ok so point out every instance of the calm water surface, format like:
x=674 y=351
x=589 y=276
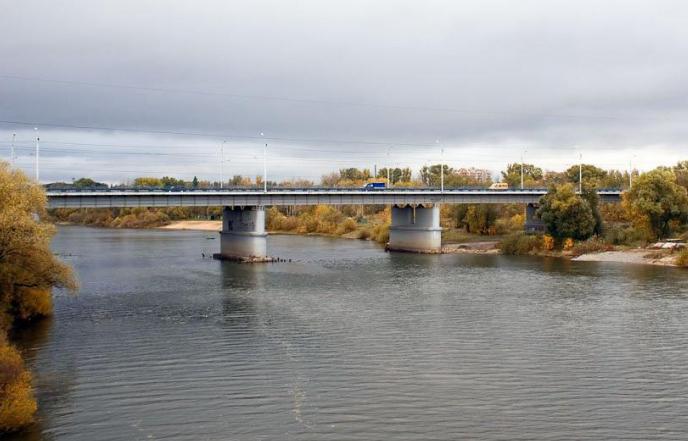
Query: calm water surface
x=350 y=343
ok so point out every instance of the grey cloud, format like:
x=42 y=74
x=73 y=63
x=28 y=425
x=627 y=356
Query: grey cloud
x=485 y=77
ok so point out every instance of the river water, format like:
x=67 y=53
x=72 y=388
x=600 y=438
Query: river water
x=348 y=342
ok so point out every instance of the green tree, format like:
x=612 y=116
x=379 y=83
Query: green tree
x=657 y=201
x=88 y=183
x=566 y=214
x=168 y=182
x=681 y=172
x=532 y=175
x=591 y=175
x=432 y=176
x=396 y=175
x=481 y=218
x=194 y=183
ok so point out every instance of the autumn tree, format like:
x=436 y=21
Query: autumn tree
x=28 y=272
x=147 y=182
x=566 y=214
x=656 y=202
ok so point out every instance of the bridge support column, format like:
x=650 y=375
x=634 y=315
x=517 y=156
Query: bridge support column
x=415 y=229
x=533 y=224
x=243 y=235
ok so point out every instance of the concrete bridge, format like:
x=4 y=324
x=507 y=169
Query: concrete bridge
x=415 y=212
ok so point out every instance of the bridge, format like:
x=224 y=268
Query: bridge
x=415 y=211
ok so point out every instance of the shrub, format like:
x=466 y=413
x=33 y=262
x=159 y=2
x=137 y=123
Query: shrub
x=520 y=243
x=593 y=245
x=33 y=303
x=380 y=233
x=548 y=242
x=682 y=258
x=17 y=404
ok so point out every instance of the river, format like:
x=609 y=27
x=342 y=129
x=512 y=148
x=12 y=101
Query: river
x=348 y=342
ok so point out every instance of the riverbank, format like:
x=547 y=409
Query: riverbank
x=639 y=256
x=194 y=225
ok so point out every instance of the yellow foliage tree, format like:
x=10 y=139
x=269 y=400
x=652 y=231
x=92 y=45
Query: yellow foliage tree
x=28 y=272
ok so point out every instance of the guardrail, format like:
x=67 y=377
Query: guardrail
x=306 y=190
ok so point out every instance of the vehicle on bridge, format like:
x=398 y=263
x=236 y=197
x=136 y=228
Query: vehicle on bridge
x=377 y=184
x=499 y=186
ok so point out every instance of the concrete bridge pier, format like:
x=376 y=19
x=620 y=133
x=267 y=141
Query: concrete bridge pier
x=416 y=229
x=533 y=224
x=243 y=235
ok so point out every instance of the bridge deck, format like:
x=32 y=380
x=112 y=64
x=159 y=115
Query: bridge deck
x=205 y=198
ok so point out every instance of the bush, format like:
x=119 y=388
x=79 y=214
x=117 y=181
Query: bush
x=33 y=303
x=593 y=245
x=520 y=243
x=624 y=235
x=682 y=258
x=17 y=404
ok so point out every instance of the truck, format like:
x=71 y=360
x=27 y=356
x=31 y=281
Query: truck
x=375 y=185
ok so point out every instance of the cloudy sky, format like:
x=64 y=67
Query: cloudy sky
x=119 y=89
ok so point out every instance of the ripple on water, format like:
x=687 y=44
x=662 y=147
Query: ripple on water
x=349 y=342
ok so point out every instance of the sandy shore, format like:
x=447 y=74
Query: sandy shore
x=629 y=256
x=197 y=225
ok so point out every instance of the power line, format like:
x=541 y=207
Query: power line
x=320 y=102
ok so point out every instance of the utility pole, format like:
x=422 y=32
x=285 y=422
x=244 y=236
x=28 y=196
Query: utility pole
x=38 y=149
x=630 y=174
x=265 y=165
x=222 y=164
x=441 y=167
x=522 y=155
x=580 y=173
x=14 y=135
x=389 y=181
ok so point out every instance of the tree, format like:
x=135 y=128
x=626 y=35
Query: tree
x=88 y=183
x=194 y=183
x=681 y=172
x=28 y=272
x=432 y=176
x=396 y=175
x=591 y=175
x=481 y=218
x=566 y=214
x=147 y=182
x=656 y=201
x=169 y=182
x=532 y=175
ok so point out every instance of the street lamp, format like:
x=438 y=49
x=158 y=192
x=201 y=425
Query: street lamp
x=580 y=173
x=265 y=165
x=14 y=135
x=522 y=155
x=389 y=181
x=441 y=166
x=222 y=163
x=38 y=149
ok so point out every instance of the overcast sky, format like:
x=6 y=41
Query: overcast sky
x=335 y=84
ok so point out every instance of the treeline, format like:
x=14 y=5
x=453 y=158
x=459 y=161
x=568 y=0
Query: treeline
x=28 y=272
x=654 y=207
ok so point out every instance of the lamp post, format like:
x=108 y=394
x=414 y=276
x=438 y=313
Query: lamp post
x=265 y=165
x=38 y=150
x=14 y=135
x=580 y=173
x=441 y=166
x=522 y=155
x=222 y=164
x=389 y=181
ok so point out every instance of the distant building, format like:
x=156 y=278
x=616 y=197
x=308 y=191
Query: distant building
x=477 y=174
